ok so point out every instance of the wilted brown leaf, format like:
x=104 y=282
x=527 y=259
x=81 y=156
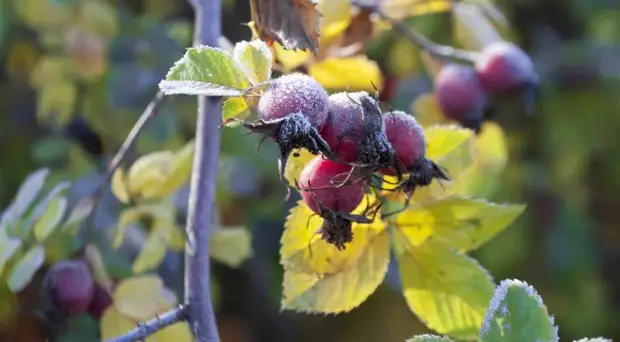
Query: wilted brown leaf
x=292 y=23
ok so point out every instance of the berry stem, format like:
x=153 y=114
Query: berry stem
x=143 y=330
x=418 y=39
x=201 y=319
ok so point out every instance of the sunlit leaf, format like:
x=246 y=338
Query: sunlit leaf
x=517 y=313
x=178 y=332
x=254 y=58
x=113 y=324
x=234 y=107
x=142 y=297
x=462 y=223
x=427 y=110
x=400 y=9
x=335 y=17
x=154 y=248
x=50 y=219
x=320 y=278
x=118 y=183
x=351 y=74
x=291 y=59
x=56 y=102
x=206 y=71
x=148 y=171
x=26 y=195
x=161 y=211
x=24 y=270
x=293 y=23
x=231 y=245
x=296 y=163
x=49 y=69
x=178 y=172
x=446 y=290
x=429 y=338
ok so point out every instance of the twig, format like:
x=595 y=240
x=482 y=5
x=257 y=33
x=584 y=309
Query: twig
x=201 y=319
x=149 y=328
x=418 y=39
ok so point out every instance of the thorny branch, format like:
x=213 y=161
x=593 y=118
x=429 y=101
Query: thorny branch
x=418 y=39
x=143 y=330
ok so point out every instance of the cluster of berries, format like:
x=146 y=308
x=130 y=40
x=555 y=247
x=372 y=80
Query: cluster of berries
x=354 y=143
x=463 y=92
x=70 y=287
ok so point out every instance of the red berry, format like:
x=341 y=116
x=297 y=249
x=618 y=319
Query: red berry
x=316 y=183
x=70 y=286
x=101 y=301
x=503 y=67
x=407 y=137
x=294 y=93
x=460 y=94
x=344 y=127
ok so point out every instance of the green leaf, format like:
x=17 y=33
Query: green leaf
x=254 y=58
x=25 y=269
x=461 y=222
x=447 y=290
x=450 y=146
x=154 y=249
x=50 y=219
x=79 y=213
x=234 y=107
x=231 y=245
x=429 y=338
x=8 y=247
x=205 y=70
x=517 y=313
x=26 y=195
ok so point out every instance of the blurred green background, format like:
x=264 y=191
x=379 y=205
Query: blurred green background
x=76 y=74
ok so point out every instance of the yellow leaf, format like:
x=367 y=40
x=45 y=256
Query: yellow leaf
x=291 y=59
x=231 y=245
x=336 y=16
x=295 y=164
x=148 y=171
x=50 y=218
x=400 y=9
x=119 y=186
x=49 y=69
x=178 y=173
x=255 y=59
x=462 y=223
x=177 y=239
x=178 y=332
x=56 y=101
x=352 y=74
x=161 y=211
x=427 y=110
x=402 y=58
x=155 y=247
x=142 y=297
x=113 y=324
x=304 y=250
x=343 y=290
x=447 y=290
x=234 y=107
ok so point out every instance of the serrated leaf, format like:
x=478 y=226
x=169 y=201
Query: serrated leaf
x=205 y=70
x=50 y=219
x=26 y=195
x=231 y=245
x=294 y=24
x=118 y=184
x=321 y=279
x=462 y=223
x=142 y=297
x=517 y=313
x=429 y=338
x=234 y=107
x=113 y=324
x=351 y=74
x=8 y=247
x=178 y=172
x=25 y=269
x=254 y=58
x=447 y=290
x=154 y=248
x=295 y=163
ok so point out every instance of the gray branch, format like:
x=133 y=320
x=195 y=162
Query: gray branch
x=143 y=330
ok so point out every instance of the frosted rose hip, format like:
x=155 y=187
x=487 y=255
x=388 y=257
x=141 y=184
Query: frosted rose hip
x=406 y=136
x=460 y=94
x=344 y=126
x=319 y=173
